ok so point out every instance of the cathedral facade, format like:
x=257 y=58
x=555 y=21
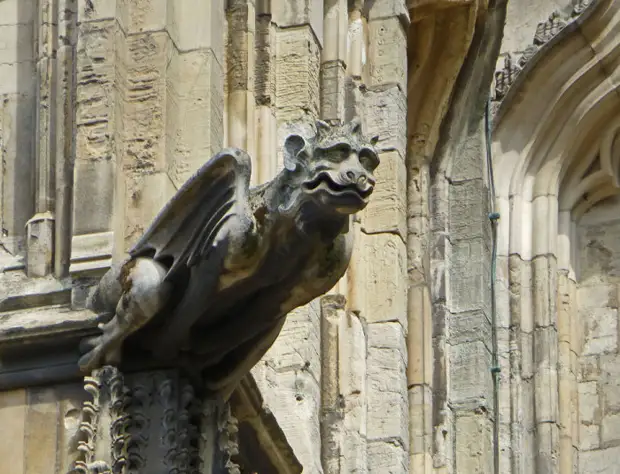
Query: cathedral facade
x=476 y=329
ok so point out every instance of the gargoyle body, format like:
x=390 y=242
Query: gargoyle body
x=209 y=284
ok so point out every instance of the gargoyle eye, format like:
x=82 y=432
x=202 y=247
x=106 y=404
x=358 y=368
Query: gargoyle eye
x=369 y=159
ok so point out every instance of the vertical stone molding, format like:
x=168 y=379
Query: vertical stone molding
x=556 y=190
x=152 y=422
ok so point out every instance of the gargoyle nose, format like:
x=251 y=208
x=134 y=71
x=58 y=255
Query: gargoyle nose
x=360 y=179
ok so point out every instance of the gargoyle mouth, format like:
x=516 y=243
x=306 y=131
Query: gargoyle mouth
x=324 y=182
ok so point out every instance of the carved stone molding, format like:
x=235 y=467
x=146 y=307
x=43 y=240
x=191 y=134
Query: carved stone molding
x=545 y=32
x=152 y=422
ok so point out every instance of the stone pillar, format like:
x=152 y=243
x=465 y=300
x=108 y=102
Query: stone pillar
x=151 y=423
x=287 y=88
x=241 y=100
x=382 y=277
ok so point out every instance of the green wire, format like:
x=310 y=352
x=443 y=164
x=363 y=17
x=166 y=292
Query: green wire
x=493 y=217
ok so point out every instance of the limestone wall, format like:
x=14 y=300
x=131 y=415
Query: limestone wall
x=599 y=376
x=108 y=106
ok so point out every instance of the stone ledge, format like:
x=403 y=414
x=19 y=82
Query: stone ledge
x=40 y=345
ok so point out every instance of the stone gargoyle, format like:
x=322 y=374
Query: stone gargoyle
x=208 y=286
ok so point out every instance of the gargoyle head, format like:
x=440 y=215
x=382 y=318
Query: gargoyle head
x=335 y=167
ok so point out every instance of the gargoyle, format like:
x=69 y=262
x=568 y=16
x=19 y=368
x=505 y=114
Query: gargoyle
x=209 y=284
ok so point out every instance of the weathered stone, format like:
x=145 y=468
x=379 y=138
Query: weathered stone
x=387 y=52
x=383 y=299
x=470 y=375
x=299 y=12
x=386 y=117
x=141 y=16
x=601 y=334
x=387 y=212
x=589 y=437
x=385 y=457
x=332 y=90
x=474 y=443
x=186 y=25
x=589 y=406
x=386 y=383
x=600 y=461
x=297 y=74
x=193 y=96
x=13 y=406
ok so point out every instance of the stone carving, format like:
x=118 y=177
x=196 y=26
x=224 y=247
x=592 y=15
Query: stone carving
x=545 y=31
x=209 y=284
x=151 y=422
x=109 y=396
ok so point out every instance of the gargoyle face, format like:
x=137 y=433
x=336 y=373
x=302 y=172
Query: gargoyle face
x=341 y=177
x=337 y=166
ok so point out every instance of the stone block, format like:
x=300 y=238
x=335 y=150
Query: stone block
x=547 y=442
x=589 y=369
x=386 y=117
x=17 y=78
x=611 y=396
x=601 y=330
x=387 y=9
x=194 y=112
x=40 y=245
x=240 y=48
x=293 y=396
x=386 y=383
x=41 y=434
x=332 y=90
x=589 y=407
x=142 y=84
x=469 y=275
x=467 y=214
x=89 y=10
x=469 y=326
x=145 y=195
x=380 y=269
x=589 y=437
x=93 y=195
x=600 y=461
x=386 y=457
x=297 y=74
x=13 y=12
x=352 y=347
x=474 y=443
x=140 y=16
x=13 y=422
x=610 y=429
x=387 y=210
x=299 y=12
x=470 y=376
x=16 y=43
x=597 y=296
x=194 y=24
x=387 y=52
x=265 y=70
x=95 y=91
x=420 y=419
x=298 y=345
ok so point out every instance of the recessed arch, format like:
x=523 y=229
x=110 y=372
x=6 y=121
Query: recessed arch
x=556 y=156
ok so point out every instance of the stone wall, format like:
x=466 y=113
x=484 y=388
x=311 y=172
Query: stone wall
x=599 y=376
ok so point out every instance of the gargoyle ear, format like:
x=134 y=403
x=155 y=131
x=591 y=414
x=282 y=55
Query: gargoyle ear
x=374 y=140
x=321 y=126
x=355 y=126
x=294 y=153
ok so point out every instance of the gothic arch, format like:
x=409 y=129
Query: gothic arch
x=555 y=156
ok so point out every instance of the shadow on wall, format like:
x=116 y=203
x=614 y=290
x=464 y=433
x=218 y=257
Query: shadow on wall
x=18 y=100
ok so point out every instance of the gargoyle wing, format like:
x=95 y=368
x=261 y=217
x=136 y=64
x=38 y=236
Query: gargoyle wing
x=210 y=207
